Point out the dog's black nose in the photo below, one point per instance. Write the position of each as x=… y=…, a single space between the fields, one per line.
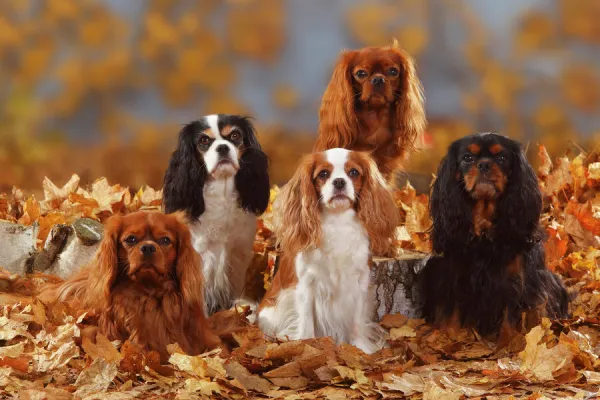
x=483 y=166
x=378 y=80
x=147 y=249
x=223 y=149
x=339 y=183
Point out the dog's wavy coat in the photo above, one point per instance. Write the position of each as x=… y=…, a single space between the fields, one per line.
x=485 y=205
x=144 y=284
x=334 y=212
x=374 y=102
x=219 y=176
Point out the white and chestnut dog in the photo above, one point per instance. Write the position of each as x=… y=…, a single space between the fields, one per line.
x=219 y=175
x=335 y=211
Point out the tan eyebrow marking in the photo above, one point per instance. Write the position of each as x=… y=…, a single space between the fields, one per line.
x=474 y=148
x=227 y=129
x=496 y=148
x=208 y=132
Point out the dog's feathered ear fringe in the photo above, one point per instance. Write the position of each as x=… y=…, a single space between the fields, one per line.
x=252 y=180
x=450 y=212
x=338 y=124
x=520 y=207
x=185 y=176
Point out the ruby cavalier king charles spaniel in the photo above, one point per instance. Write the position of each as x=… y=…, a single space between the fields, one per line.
x=375 y=103
x=334 y=212
x=490 y=269
x=144 y=284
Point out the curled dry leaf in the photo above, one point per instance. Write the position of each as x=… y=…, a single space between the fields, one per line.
x=96 y=378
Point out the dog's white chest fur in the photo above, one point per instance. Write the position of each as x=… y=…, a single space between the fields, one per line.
x=331 y=296
x=223 y=235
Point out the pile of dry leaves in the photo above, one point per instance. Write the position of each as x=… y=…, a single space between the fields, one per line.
x=55 y=353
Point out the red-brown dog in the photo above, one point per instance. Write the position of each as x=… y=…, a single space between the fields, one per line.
x=374 y=102
x=145 y=284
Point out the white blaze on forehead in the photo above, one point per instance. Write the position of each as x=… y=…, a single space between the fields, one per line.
x=337 y=158
x=212 y=156
x=213 y=123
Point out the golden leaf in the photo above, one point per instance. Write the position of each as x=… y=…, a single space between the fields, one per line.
x=257 y=30
x=412 y=38
x=54 y=196
x=285 y=96
x=580 y=85
x=536 y=31
x=367 y=23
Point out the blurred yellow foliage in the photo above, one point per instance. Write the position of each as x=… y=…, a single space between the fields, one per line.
x=86 y=58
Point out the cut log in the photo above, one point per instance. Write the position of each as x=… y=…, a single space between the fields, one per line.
x=67 y=249
x=17 y=243
x=395 y=284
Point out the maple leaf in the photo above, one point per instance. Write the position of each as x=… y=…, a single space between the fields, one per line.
x=54 y=196
x=109 y=198
x=96 y=378
x=546 y=163
x=559 y=179
x=539 y=360
x=585 y=215
x=201 y=366
x=204 y=387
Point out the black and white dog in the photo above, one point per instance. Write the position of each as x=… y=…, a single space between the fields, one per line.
x=219 y=175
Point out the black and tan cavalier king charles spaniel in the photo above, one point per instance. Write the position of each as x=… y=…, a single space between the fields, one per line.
x=219 y=175
x=490 y=268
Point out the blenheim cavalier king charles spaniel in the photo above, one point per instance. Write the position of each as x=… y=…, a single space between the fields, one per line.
x=145 y=284
x=219 y=176
x=335 y=211
x=374 y=102
x=485 y=206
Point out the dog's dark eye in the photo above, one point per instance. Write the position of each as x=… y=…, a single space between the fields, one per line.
x=235 y=135
x=131 y=239
x=361 y=73
x=164 y=241
x=353 y=173
x=393 y=71
x=467 y=158
x=501 y=159
x=323 y=174
x=204 y=140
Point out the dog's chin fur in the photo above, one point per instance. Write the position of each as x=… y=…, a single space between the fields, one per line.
x=223 y=170
x=485 y=190
x=339 y=203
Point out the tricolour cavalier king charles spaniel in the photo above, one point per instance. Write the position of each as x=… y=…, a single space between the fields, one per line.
x=335 y=211
x=485 y=205
x=144 y=284
x=219 y=176
x=374 y=102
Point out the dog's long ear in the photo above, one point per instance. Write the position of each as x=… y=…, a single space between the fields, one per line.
x=297 y=208
x=185 y=176
x=450 y=212
x=410 y=106
x=252 y=180
x=189 y=266
x=338 y=124
x=521 y=205
x=104 y=268
x=377 y=209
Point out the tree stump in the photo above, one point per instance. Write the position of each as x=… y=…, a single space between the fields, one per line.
x=395 y=284
x=17 y=243
x=67 y=249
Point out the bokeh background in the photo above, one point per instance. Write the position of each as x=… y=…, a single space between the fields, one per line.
x=101 y=87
